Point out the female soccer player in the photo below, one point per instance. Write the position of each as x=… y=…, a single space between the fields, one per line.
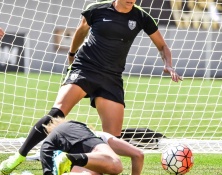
x=96 y=151
x=95 y=70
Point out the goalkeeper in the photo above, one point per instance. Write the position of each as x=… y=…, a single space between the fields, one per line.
x=95 y=71
x=85 y=149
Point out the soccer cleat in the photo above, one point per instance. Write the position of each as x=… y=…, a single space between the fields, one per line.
x=34 y=157
x=8 y=165
x=61 y=163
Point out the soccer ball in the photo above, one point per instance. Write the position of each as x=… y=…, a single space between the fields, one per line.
x=177 y=159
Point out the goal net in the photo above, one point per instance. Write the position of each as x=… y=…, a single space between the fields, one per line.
x=159 y=112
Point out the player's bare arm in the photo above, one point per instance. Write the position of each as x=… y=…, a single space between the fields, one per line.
x=165 y=54
x=123 y=148
x=78 y=37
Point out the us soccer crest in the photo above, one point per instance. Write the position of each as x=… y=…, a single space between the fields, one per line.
x=73 y=76
x=132 y=24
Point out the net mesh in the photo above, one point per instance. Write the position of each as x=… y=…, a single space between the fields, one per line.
x=33 y=63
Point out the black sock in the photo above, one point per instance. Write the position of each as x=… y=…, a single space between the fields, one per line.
x=55 y=112
x=78 y=159
x=37 y=133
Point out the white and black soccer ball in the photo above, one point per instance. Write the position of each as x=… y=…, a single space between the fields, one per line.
x=177 y=160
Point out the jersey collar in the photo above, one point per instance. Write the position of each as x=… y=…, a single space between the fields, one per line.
x=111 y=7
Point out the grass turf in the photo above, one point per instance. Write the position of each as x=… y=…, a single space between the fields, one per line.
x=204 y=164
x=188 y=109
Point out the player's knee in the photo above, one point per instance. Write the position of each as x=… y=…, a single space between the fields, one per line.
x=118 y=167
x=115 y=166
x=55 y=112
x=139 y=154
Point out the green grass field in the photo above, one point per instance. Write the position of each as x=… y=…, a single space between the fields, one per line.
x=188 y=109
x=204 y=164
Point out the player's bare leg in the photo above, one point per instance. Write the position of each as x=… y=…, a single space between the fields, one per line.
x=111 y=114
x=102 y=159
x=68 y=96
x=82 y=170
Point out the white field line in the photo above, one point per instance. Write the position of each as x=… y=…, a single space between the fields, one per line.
x=197 y=146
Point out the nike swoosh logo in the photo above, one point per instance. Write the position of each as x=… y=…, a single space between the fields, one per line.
x=104 y=19
x=82 y=156
x=37 y=129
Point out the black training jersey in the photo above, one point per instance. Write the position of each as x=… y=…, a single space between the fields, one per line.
x=67 y=134
x=111 y=36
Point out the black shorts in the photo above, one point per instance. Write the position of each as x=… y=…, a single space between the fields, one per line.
x=47 y=151
x=97 y=84
x=70 y=137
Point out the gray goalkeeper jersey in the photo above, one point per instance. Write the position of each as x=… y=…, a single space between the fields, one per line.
x=111 y=36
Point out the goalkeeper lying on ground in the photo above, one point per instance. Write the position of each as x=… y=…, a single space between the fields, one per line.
x=82 y=148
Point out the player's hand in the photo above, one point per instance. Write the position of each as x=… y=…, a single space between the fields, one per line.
x=175 y=77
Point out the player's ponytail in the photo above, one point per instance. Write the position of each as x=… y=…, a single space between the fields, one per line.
x=54 y=122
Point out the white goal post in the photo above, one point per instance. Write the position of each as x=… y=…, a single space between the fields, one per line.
x=33 y=62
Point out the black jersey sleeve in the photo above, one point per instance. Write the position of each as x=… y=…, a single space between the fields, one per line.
x=149 y=24
x=88 y=12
